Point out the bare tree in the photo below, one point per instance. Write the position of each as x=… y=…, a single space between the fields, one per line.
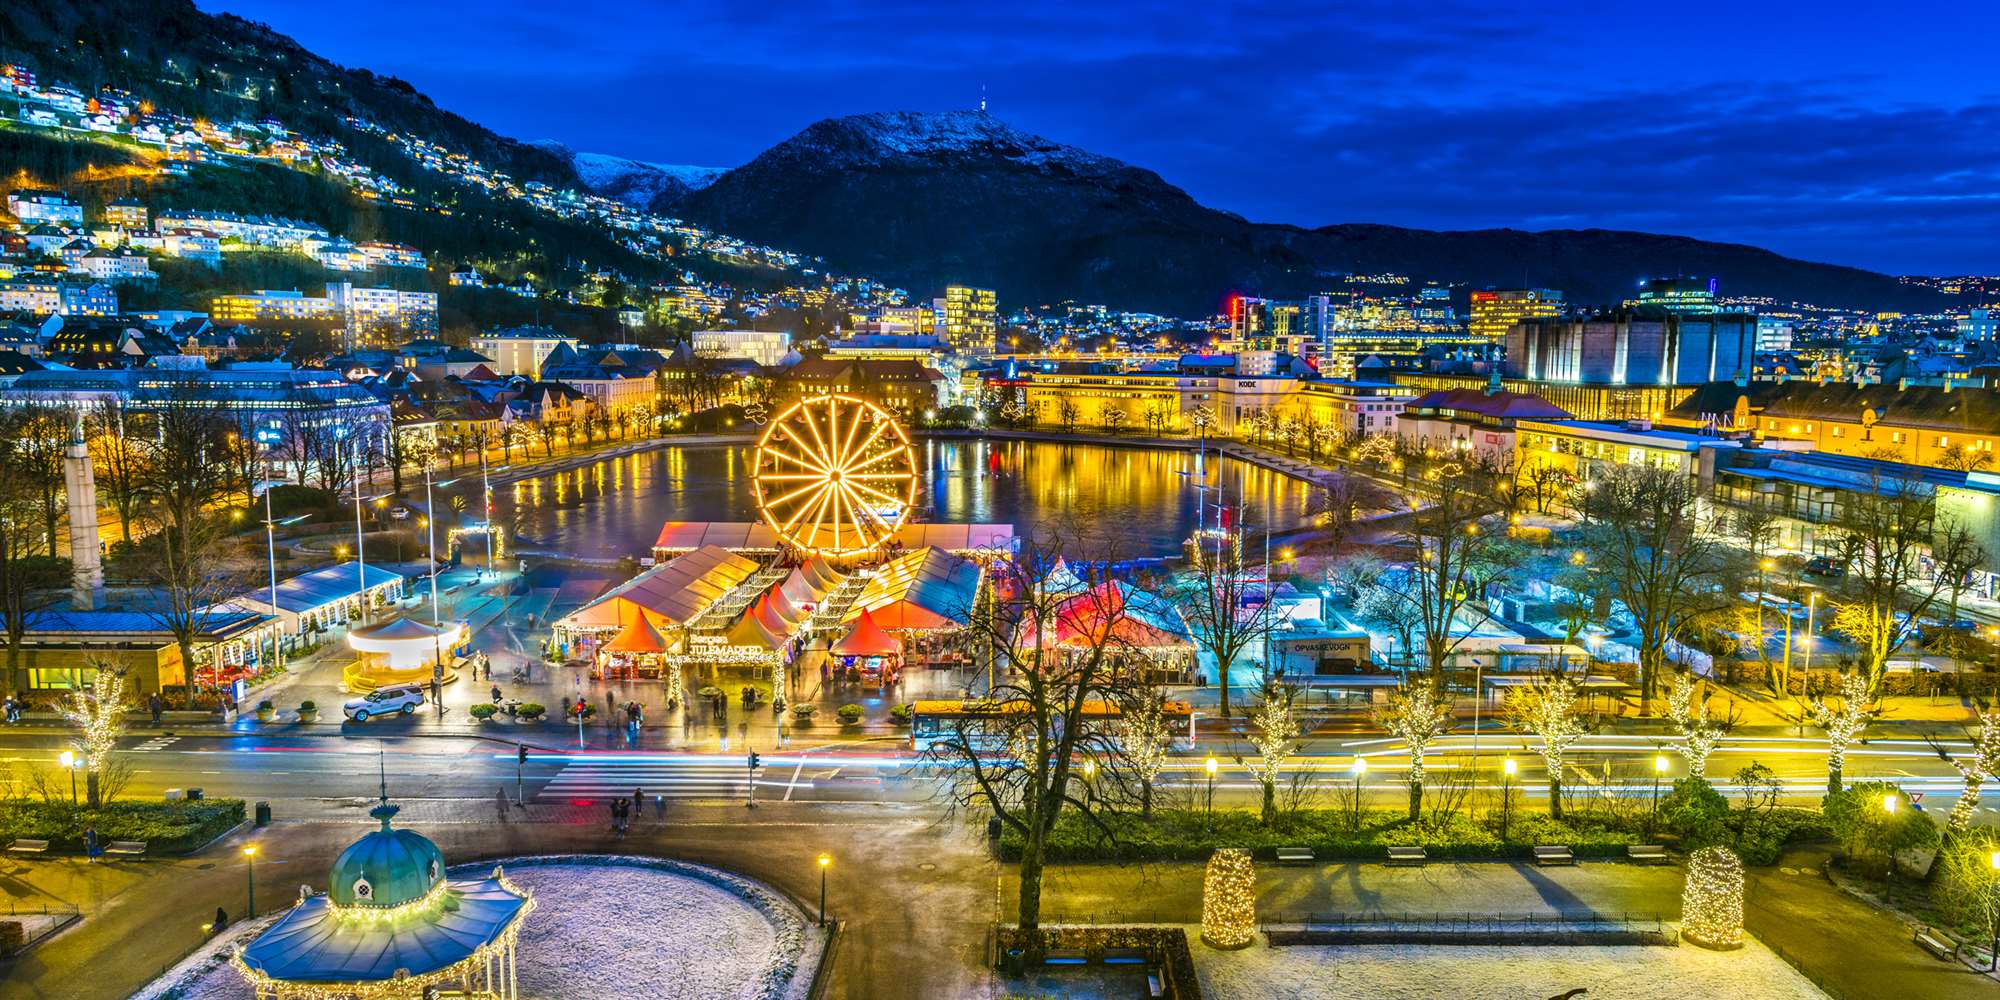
x=1057 y=663
x=1453 y=549
x=1547 y=708
x=1148 y=741
x=27 y=581
x=1884 y=532
x=1338 y=505
x=1844 y=722
x=117 y=461
x=1214 y=601
x=183 y=547
x=1067 y=414
x=1660 y=555
x=1418 y=716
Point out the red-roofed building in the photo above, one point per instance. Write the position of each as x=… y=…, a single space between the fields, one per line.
x=1473 y=420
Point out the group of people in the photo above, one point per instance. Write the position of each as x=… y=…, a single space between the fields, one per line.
x=622 y=810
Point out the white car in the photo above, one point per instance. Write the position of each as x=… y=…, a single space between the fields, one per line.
x=394 y=699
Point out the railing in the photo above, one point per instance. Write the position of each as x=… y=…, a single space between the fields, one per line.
x=1313 y=927
x=62 y=915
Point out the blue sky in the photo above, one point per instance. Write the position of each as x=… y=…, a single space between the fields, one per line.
x=1858 y=133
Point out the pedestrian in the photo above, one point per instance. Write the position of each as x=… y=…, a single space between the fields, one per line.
x=613 y=804
x=639 y=800
x=500 y=800
x=154 y=705
x=496 y=694
x=221 y=920
x=610 y=705
x=90 y=844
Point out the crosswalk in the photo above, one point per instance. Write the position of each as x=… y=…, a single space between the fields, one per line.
x=157 y=743
x=674 y=777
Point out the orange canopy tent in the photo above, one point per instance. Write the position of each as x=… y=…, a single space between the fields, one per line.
x=638 y=637
x=1114 y=613
x=867 y=638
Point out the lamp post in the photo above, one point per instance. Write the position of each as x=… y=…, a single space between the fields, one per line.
x=68 y=761
x=824 y=861
x=1993 y=963
x=270 y=553
x=1359 y=767
x=360 y=557
x=1507 y=769
x=250 y=879
x=1210 y=766
x=1659 y=768
x=1890 y=803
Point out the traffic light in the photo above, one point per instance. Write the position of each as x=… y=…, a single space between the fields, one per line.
x=753 y=760
x=521 y=757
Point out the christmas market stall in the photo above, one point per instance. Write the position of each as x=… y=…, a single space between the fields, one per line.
x=1137 y=629
x=868 y=653
x=926 y=597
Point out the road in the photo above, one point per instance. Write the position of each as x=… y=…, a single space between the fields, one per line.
x=296 y=767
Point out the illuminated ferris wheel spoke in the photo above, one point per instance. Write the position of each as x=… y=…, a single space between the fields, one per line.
x=828 y=484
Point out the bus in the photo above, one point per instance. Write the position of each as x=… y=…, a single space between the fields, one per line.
x=932 y=721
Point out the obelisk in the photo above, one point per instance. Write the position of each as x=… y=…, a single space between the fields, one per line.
x=85 y=552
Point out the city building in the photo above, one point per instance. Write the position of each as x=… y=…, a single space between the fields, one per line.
x=765 y=347
x=1980 y=326
x=127 y=213
x=1493 y=311
x=1679 y=295
x=1939 y=426
x=904 y=386
x=970 y=319
x=1633 y=347
x=520 y=350
x=33 y=205
x=1482 y=423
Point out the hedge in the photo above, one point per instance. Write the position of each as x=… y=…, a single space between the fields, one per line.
x=166 y=827
x=1186 y=835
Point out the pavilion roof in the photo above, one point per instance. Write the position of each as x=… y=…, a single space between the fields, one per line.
x=673 y=594
x=924 y=589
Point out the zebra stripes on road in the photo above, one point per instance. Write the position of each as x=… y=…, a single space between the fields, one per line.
x=157 y=743
x=605 y=779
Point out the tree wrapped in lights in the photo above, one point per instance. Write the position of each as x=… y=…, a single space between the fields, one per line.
x=1229 y=899
x=1844 y=723
x=1276 y=740
x=1712 y=902
x=1148 y=738
x=1547 y=708
x=99 y=717
x=1419 y=717
x=1699 y=733
x=1974 y=768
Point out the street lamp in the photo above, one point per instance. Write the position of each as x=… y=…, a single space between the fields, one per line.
x=1507 y=769
x=1359 y=767
x=1890 y=803
x=1210 y=765
x=1659 y=768
x=68 y=761
x=824 y=861
x=250 y=876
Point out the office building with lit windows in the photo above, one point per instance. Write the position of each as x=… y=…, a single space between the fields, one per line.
x=971 y=319
x=1494 y=310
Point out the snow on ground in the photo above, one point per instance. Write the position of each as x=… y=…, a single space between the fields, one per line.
x=1425 y=972
x=612 y=927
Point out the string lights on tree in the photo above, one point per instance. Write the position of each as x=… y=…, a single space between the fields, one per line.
x=1690 y=715
x=1843 y=724
x=1229 y=899
x=1712 y=902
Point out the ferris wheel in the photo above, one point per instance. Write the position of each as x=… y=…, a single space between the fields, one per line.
x=834 y=475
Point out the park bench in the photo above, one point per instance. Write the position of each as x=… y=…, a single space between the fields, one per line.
x=1554 y=854
x=26 y=846
x=127 y=848
x=1939 y=945
x=1295 y=855
x=1646 y=853
x=1127 y=956
x=1411 y=855
x=1066 y=956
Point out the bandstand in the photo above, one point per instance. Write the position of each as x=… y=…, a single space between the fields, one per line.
x=391 y=926
x=401 y=651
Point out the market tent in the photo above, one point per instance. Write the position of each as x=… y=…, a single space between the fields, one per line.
x=867 y=638
x=925 y=589
x=1063 y=580
x=761 y=627
x=800 y=589
x=822 y=573
x=1114 y=614
x=638 y=637
x=781 y=607
x=670 y=595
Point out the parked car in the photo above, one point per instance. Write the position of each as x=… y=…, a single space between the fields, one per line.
x=1826 y=566
x=394 y=699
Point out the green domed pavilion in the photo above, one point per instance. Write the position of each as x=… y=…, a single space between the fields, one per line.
x=390 y=925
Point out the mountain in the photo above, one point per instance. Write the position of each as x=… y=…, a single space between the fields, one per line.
x=642 y=185
x=925 y=199
x=223 y=67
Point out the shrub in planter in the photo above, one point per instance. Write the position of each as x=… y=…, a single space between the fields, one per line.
x=531 y=710
x=266 y=711
x=849 y=714
x=802 y=714
x=483 y=712
x=308 y=710
x=900 y=714
x=710 y=691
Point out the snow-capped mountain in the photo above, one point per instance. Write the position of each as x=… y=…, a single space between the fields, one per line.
x=651 y=186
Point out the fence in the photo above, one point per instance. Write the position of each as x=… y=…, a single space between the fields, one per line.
x=54 y=917
x=1282 y=928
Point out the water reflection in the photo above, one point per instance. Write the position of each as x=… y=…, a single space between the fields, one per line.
x=1143 y=500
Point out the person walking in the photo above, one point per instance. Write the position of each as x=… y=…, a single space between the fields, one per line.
x=90 y=844
x=155 y=706
x=639 y=800
x=500 y=803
